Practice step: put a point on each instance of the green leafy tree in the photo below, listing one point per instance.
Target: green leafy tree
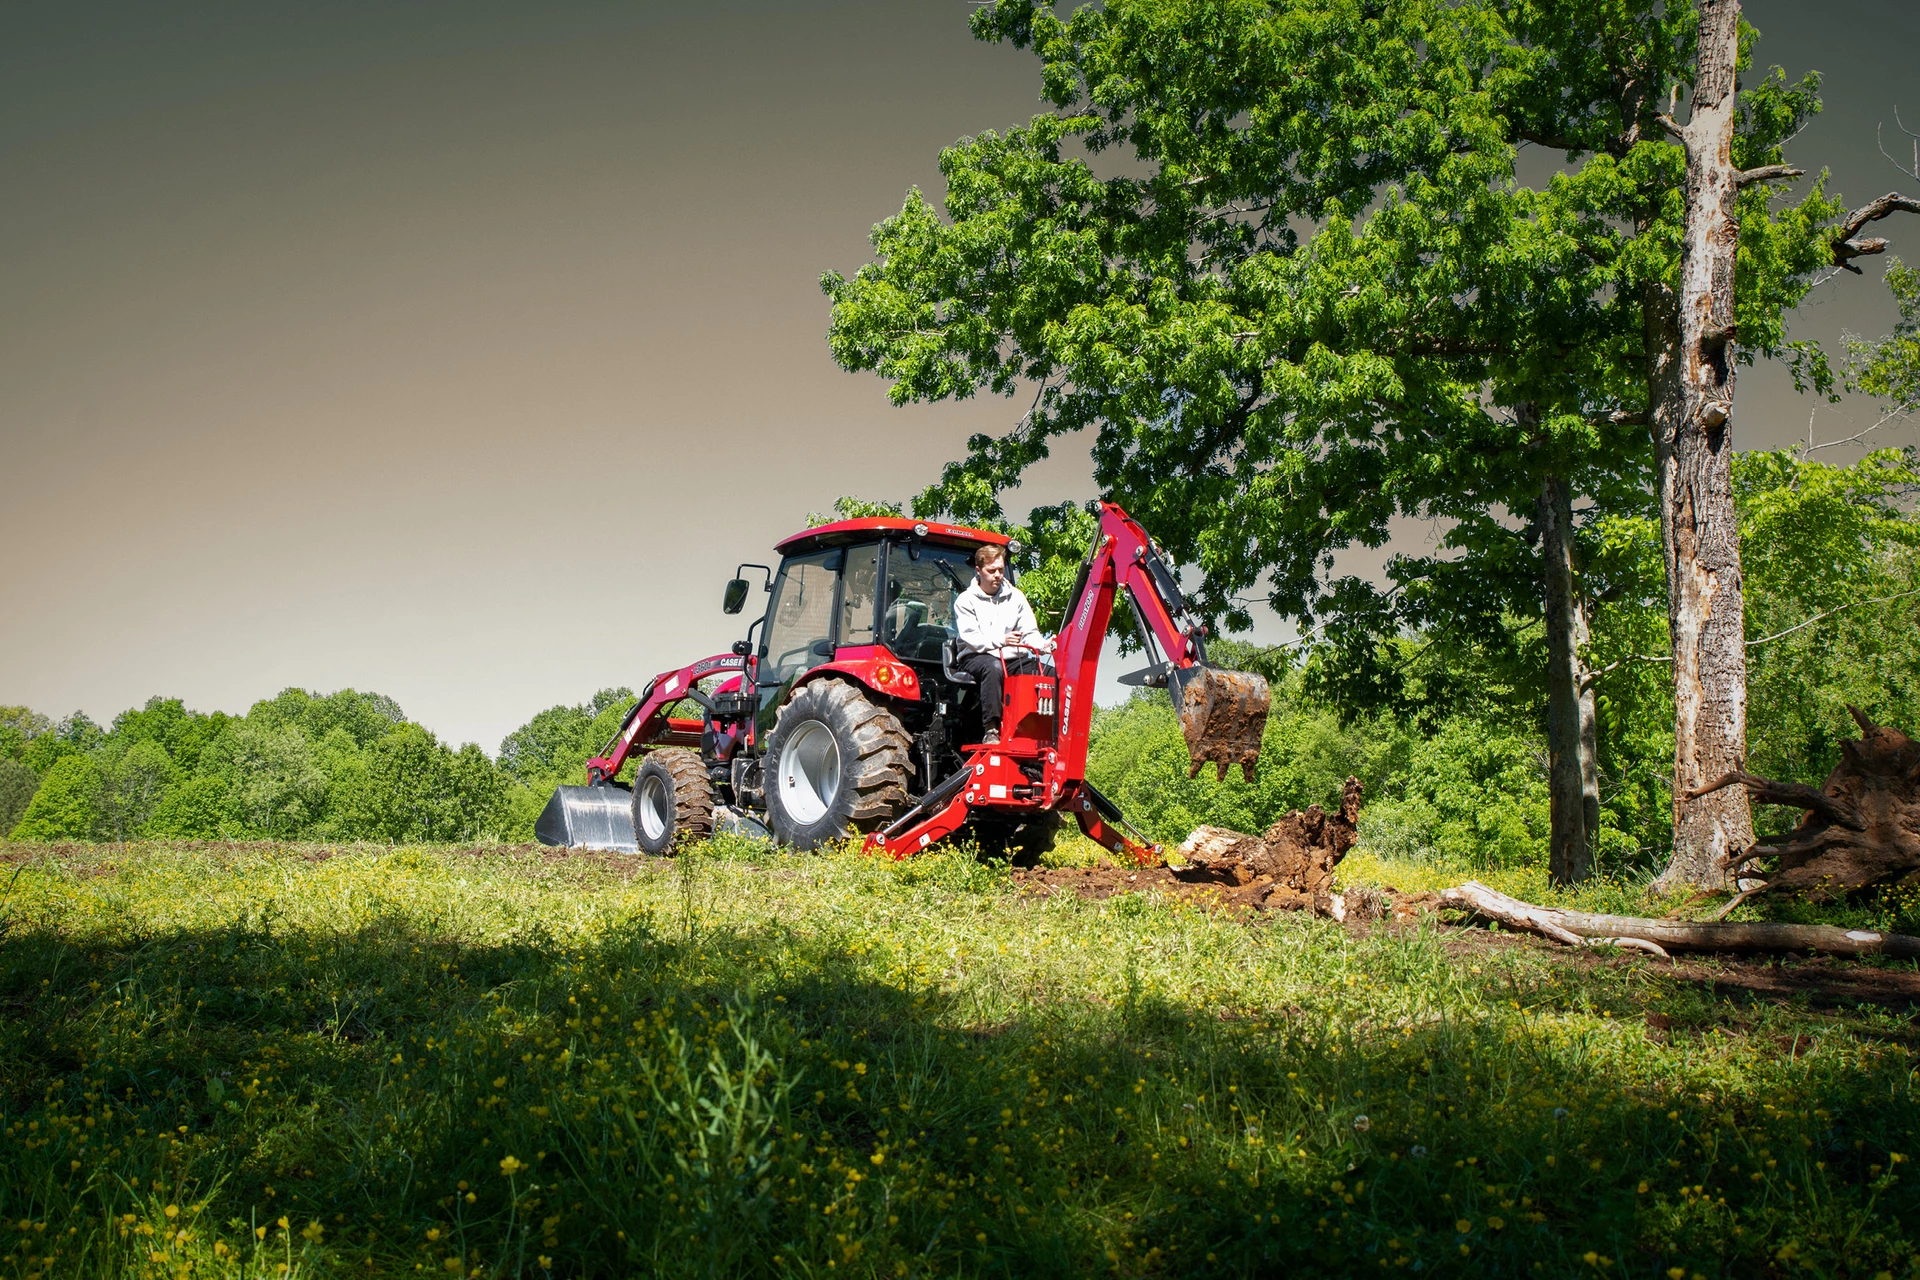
(1833, 603)
(849, 508)
(274, 787)
(1888, 368)
(19, 726)
(1137, 756)
(557, 742)
(134, 776)
(424, 792)
(1318, 298)
(363, 717)
(66, 806)
(17, 785)
(167, 722)
(194, 808)
(74, 735)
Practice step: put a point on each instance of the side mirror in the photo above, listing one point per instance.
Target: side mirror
(736, 598)
(821, 649)
(741, 649)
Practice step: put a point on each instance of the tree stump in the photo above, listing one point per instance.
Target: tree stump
(1293, 861)
(1861, 827)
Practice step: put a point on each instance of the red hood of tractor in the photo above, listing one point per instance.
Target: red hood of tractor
(863, 530)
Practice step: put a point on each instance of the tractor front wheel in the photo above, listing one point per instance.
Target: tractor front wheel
(836, 763)
(672, 800)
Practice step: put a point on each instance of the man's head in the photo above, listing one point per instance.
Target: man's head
(990, 567)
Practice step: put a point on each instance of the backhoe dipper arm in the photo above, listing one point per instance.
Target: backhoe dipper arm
(1221, 713)
(646, 722)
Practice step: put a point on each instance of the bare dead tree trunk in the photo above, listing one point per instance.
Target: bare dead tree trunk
(1693, 435)
(1572, 774)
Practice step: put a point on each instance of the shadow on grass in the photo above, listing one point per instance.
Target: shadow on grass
(783, 1101)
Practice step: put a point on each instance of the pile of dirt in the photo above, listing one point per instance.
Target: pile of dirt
(1289, 868)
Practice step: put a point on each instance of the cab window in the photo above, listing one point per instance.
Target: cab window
(923, 581)
(800, 615)
(859, 594)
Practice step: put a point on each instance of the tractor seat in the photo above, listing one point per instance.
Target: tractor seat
(948, 652)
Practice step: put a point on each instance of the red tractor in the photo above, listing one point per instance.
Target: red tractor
(848, 714)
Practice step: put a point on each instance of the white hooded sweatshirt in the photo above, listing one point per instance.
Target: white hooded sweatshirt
(985, 621)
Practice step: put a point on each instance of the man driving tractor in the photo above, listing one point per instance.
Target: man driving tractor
(997, 625)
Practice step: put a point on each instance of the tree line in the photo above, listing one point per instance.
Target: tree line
(1318, 291)
(345, 766)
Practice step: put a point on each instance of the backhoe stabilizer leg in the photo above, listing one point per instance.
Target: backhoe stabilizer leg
(1104, 824)
(937, 826)
(940, 813)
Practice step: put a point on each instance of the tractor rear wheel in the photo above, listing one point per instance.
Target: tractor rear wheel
(836, 763)
(672, 800)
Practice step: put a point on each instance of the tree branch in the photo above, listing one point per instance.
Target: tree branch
(1846, 246)
(1582, 928)
(1767, 173)
(1796, 795)
(1618, 662)
(1666, 122)
(1830, 612)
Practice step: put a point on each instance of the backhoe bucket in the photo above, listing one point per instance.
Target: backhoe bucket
(1222, 714)
(589, 818)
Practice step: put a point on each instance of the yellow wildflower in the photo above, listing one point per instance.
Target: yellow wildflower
(511, 1166)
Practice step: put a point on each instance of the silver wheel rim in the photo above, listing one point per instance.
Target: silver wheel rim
(810, 773)
(656, 807)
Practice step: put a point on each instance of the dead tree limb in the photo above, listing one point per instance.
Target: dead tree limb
(1580, 928)
(1847, 243)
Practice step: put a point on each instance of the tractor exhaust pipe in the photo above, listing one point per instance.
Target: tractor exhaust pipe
(596, 817)
(1223, 715)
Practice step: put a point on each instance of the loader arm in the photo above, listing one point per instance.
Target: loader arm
(1222, 713)
(647, 723)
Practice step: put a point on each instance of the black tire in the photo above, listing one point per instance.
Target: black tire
(1023, 842)
(672, 800)
(836, 763)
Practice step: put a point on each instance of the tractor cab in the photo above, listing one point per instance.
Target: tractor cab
(871, 598)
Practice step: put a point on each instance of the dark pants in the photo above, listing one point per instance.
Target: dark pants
(986, 668)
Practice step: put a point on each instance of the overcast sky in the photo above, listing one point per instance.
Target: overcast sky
(459, 351)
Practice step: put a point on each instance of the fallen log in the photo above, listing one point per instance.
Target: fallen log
(1580, 928)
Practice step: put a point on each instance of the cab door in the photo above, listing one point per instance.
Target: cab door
(799, 632)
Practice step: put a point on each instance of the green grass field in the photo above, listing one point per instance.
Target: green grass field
(280, 1061)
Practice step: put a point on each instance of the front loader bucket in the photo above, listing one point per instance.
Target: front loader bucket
(1222, 714)
(589, 818)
